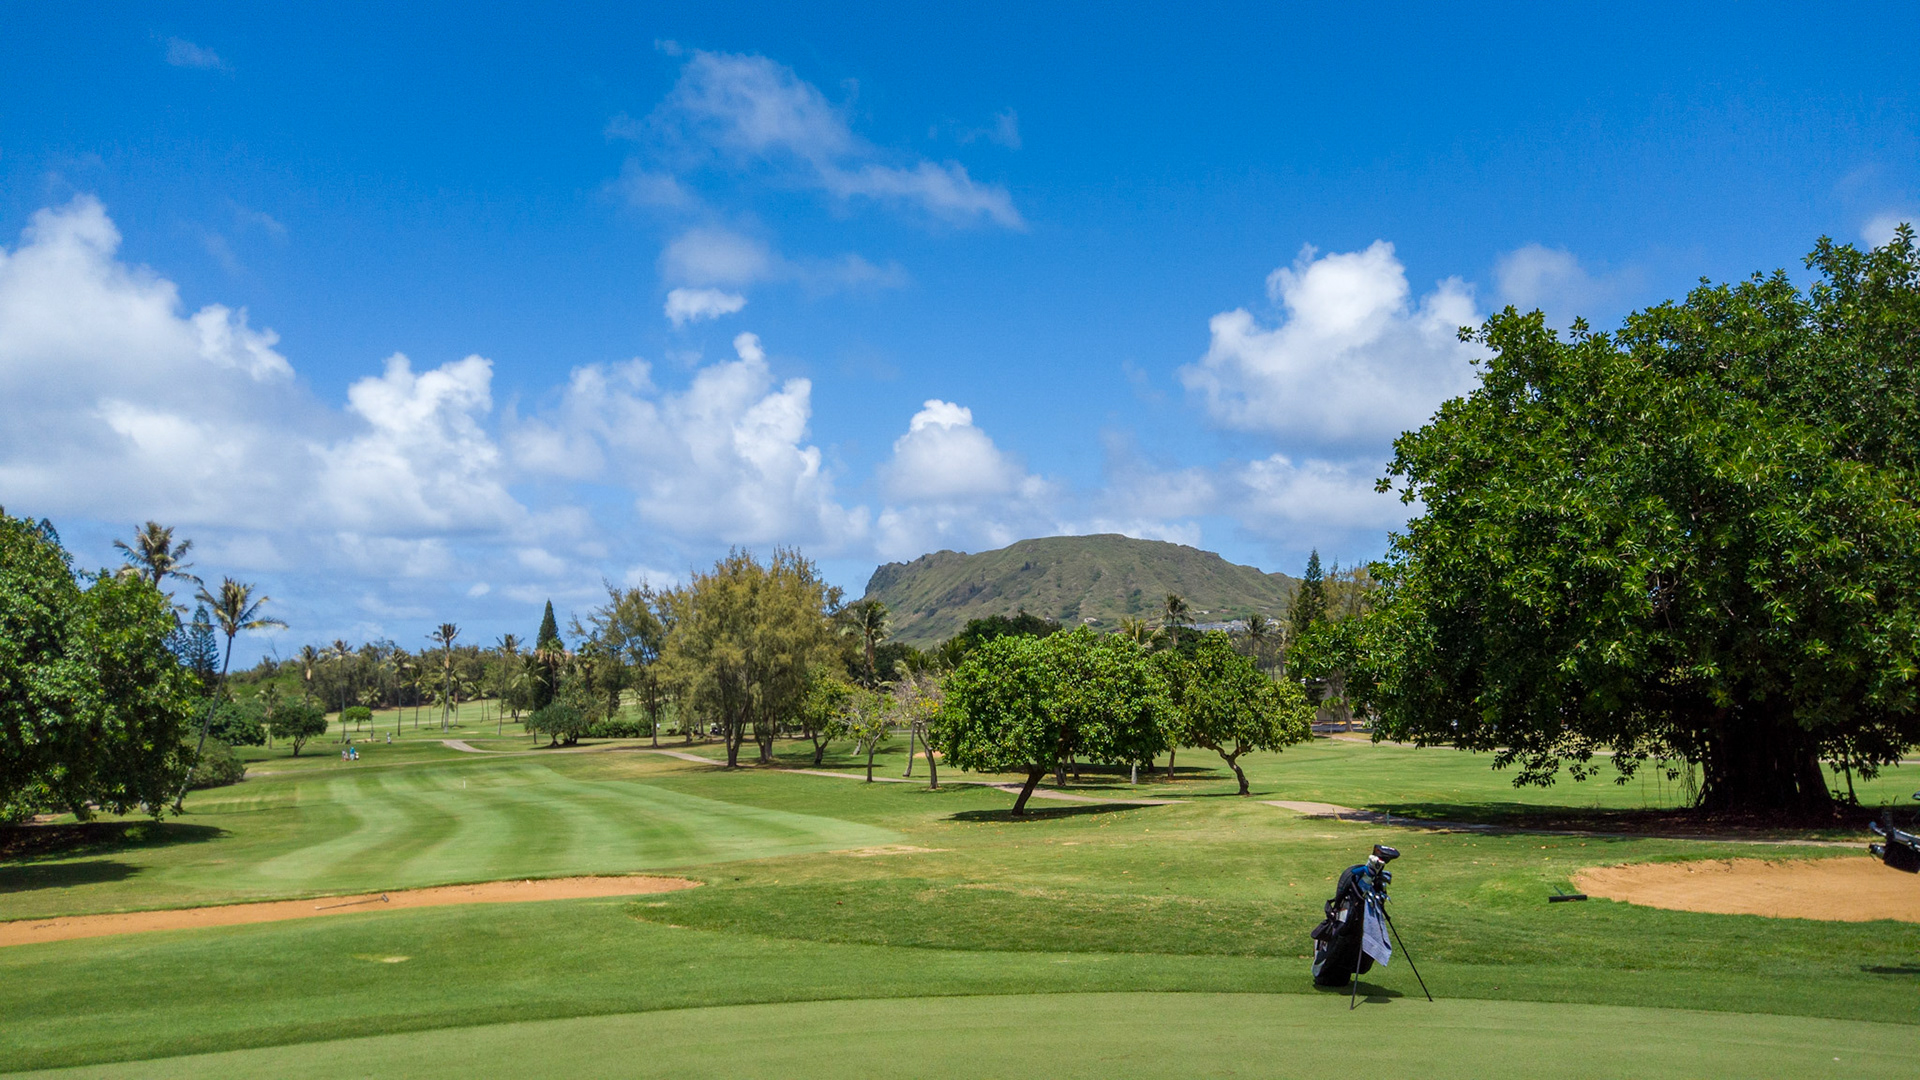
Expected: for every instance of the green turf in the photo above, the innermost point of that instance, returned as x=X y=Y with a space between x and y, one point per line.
x=1101 y=1037
x=1214 y=894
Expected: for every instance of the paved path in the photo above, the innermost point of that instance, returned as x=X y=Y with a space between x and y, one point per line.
x=1374 y=817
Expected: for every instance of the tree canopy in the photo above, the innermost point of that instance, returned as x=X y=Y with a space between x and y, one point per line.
x=94 y=707
x=1030 y=703
x=1694 y=539
x=1221 y=701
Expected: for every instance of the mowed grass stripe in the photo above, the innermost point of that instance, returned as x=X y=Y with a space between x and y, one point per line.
x=1098 y=1037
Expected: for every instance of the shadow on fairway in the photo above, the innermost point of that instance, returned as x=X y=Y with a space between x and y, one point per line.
x=30 y=842
x=1369 y=994
x=1629 y=824
x=1891 y=969
x=1045 y=813
x=59 y=875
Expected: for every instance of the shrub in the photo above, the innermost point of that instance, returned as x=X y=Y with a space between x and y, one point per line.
x=617 y=728
x=218 y=767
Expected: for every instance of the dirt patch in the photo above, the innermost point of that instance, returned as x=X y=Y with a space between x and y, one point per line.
x=33 y=931
x=889 y=849
x=1839 y=890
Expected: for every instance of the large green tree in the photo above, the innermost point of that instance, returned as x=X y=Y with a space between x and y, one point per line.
x=1030 y=704
x=1697 y=538
x=94 y=707
x=1221 y=701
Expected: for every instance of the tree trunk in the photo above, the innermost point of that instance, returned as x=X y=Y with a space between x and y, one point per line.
x=913 y=733
x=819 y=751
x=1034 y=773
x=933 y=772
x=1762 y=761
x=1234 y=764
x=871 y=747
x=1170 y=755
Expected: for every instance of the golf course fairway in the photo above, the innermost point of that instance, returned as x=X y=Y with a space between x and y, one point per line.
x=1099 y=1037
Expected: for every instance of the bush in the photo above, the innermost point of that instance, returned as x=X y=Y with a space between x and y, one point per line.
x=238 y=725
x=617 y=728
x=561 y=723
x=218 y=767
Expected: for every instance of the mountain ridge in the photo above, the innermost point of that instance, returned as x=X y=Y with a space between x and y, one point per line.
x=1100 y=579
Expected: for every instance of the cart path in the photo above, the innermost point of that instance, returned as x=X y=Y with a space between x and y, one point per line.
x=68 y=927
x=1375 y=817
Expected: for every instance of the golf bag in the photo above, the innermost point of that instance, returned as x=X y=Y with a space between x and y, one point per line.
x=1336 y=941
x=1901 y=850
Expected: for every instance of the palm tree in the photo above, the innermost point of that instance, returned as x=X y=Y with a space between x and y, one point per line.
x=154 y=557
x=867 y=620
x=1262 y=634
x=1141 y=632
x=509 y=647
x=339 y=653
x=309 y=659
x=1175 y=615
x=235 y=609
x=444 y=637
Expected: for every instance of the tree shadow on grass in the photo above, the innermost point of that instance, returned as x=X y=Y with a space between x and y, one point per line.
x=1043 y=813
x=60 y=875
x=1891 y=969
x=27 y=843
x=1526 y=817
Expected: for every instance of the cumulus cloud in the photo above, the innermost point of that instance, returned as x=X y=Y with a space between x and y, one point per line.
x=744 y=109
x=725 y=459
x=1353 y=360
x=694 y=305
x=947 y=483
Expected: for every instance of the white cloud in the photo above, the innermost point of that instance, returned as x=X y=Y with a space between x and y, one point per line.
x=1353 y=361
x=184 y=53
x=948 y=484
x=1005 y=131
x=746 y=109
x=693 y=305
x=724 y=460
x=713 y=256
x=1879 y=229
x=1552 y=280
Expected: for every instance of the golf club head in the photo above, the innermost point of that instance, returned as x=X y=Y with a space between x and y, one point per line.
x=1384 y=853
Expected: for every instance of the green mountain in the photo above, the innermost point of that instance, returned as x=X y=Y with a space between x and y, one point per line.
x=1098 y=579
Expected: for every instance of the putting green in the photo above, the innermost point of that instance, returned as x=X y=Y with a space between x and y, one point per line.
x=1100 y=1037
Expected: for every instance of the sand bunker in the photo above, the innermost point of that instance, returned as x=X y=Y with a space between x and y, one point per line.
x=62 y=928
x=1839 y=889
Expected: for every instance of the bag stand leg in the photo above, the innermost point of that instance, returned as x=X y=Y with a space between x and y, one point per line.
x=1359 y=957
x=1403 y=949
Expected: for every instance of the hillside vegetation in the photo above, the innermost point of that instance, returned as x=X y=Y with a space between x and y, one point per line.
x=1072 y=579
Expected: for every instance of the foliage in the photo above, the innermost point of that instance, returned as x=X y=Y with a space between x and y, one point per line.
x=548 y=651
x=869 y=722
x=1031 y=704
x=743 y=640
x=1221 y=701
x=297 y=721
x=218 y=766
x=825 y=710
x=978 y=632
x=560 y=722
x=617 y=727
x=1696 y=538
x=238 y=724
x=1309 y=600
x=356 y=715
x=93 y=704
x=198 y=648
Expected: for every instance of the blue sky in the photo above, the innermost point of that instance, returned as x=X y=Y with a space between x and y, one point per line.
x=669 y=278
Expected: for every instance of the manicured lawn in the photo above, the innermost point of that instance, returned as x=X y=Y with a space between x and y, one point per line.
x=1100 y=1037
x=1213 y=895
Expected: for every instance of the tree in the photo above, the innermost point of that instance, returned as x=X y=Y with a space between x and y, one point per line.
x=355 y=715
x=869 y=722
x=1309 y=598
x=743 y=639
x=297 y=721
x=1174 y=615
x=866 y=622
x=444 y=636
x=562 y=723
x=1032 y=703
x=342 y=656
x=825 y=710
x=198 y=649
x=154 y=557
x=550 y=652
x=309 y=659
x=1262 y=641
x=919 y=697
x=1223 y=702
x=237 y=611
x=1694 y=539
